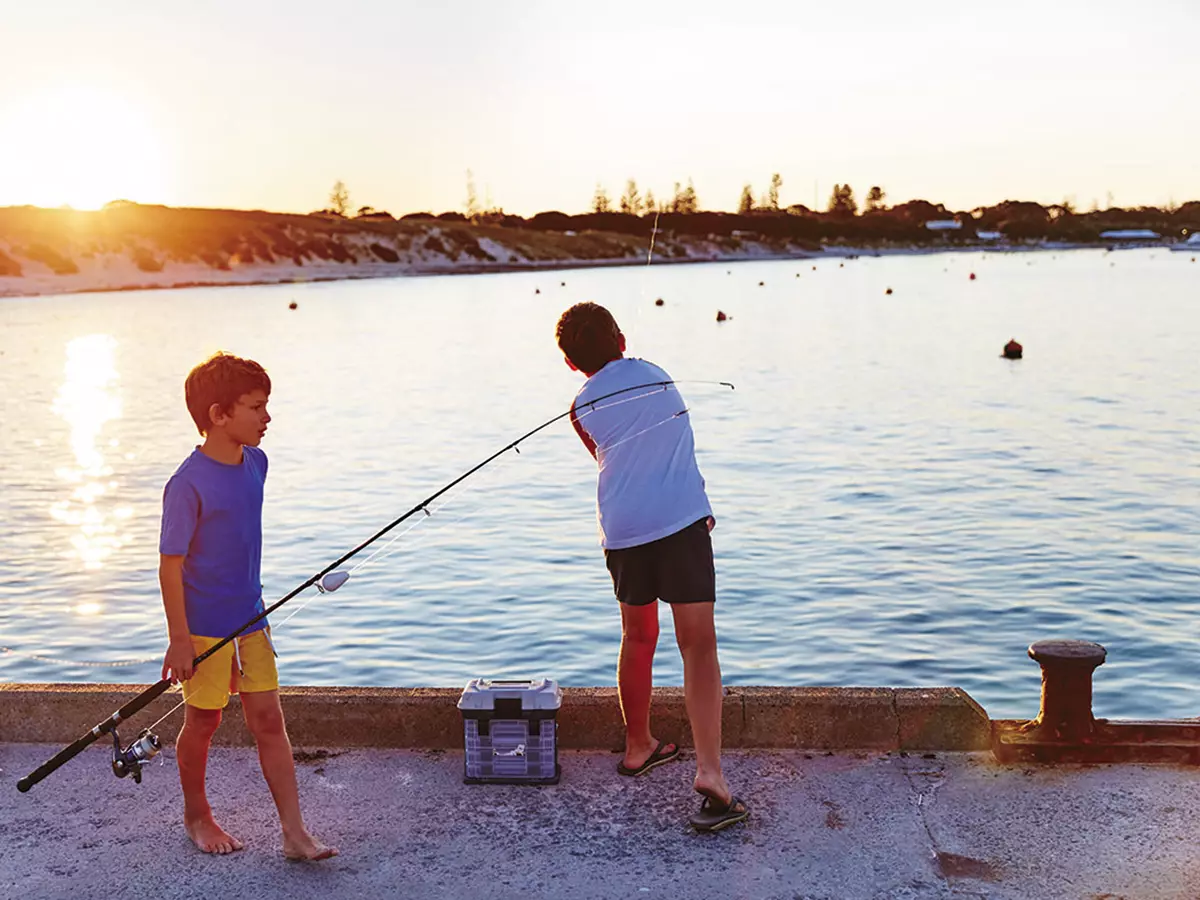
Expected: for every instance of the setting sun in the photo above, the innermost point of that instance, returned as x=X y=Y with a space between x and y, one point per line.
x=82 y=146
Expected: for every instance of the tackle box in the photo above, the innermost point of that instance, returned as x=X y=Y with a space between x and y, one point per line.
x=510 y=729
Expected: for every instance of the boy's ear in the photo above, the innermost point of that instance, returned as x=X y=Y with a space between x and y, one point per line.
x=621 y=340
x=570 y=365
x=216 y=415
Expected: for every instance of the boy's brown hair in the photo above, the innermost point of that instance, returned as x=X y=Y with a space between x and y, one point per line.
x=588 y=336
x=221 y=379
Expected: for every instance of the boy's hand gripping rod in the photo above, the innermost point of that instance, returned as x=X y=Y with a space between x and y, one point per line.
x=152 y=693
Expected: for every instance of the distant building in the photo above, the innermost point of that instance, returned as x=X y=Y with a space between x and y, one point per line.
x=1130 y=234
x=990 y=235
x=943 y=225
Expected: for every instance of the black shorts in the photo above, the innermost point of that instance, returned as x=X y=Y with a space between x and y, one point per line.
x=675 y=569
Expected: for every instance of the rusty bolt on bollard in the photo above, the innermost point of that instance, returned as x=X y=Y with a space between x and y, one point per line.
x=1067 y=667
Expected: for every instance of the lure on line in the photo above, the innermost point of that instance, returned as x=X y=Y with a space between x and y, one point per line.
x=129 y=761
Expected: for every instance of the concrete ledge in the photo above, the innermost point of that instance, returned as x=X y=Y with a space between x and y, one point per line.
x=941 y=718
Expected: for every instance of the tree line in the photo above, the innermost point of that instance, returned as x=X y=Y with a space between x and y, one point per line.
x=842 y=219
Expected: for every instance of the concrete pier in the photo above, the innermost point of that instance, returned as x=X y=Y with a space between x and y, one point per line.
x=865 y=793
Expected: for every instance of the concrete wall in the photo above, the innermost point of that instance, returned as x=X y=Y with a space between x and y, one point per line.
x=818 y=718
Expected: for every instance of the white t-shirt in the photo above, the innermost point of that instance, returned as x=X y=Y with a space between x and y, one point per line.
x=649 y=485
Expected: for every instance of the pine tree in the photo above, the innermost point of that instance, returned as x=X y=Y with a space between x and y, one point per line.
x=746 y=204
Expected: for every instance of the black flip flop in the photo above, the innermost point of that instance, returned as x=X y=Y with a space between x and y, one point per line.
x=657 y=758
x=713 y=816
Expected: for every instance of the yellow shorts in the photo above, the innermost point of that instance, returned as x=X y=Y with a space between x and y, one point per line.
x=249 y=669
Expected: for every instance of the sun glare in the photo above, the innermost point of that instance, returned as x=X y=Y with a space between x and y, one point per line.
x=80 y=146
x=87 y=400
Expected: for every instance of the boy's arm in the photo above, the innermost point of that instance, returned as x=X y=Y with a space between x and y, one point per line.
x=178 y=661
x=583 y=435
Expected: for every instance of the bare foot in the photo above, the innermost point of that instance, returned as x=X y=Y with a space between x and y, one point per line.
x=636 y=757
x=305 y=848
x=715 y=789
x=211 y=837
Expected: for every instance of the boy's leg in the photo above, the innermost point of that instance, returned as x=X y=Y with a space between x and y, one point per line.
x=696 y=635
x=639 y=637
x=264 y=717
x=191 y=755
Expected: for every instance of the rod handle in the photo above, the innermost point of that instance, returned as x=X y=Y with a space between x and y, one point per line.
x=73 y=749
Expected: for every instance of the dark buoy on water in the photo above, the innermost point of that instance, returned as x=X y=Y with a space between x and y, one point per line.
x=562 y=284
x=761 y=283
x=292 y=305
x=658 y=302
x=537 y=290
x=972 y=276
x=721 y=317
x=888 y=291
x=1013 y=350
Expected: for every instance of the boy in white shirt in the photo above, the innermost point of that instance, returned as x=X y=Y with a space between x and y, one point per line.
x=655 y=521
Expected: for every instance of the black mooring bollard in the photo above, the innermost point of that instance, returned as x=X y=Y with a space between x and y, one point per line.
x=1067 y=666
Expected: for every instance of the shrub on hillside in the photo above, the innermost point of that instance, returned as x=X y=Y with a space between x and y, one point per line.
x=260 y=248
x=214 y=260
x=317 y=248
x=9 y=266
x=387 y=254
x=58 y=263
x=145 y=260
x=434 y=245
x=340 y=253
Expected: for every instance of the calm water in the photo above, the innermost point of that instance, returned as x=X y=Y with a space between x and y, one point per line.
x=897 y=505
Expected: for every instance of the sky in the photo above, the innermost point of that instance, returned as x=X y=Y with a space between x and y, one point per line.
x=264 y=105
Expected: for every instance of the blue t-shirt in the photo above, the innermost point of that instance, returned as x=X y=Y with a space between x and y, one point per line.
x=212 y=517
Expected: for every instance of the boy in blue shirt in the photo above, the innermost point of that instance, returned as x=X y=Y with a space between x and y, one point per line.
x=209 y=571
x=655 y=521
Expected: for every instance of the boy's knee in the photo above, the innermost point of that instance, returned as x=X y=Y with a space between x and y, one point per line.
x=201 y=722
x=697 y=642
x=641 y=637
x=266 y=723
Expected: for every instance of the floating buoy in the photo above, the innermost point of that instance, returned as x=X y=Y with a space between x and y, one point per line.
x=1013 y=350
x=658 y=302
x=841 y=265
x=537 y=290
x=721 y=317
x=972 y=276
x=798 y=274
x=761 y=283
x=292 y=305
x=562 y=284
x=814 y=268
x=888 y=291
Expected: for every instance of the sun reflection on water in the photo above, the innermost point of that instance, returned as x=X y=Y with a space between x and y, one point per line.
x=87 y=400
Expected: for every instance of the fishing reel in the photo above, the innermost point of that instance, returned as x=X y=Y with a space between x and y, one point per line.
x=130 y=760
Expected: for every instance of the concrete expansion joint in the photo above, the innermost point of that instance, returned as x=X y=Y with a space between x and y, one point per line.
x=923 y=800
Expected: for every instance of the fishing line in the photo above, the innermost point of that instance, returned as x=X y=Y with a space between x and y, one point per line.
x=128 y=761
x=376 y=556
x=625 y=440
x=389 y=548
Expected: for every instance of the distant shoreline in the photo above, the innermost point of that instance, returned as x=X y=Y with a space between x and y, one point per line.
x=132 y=248
x=269 y=275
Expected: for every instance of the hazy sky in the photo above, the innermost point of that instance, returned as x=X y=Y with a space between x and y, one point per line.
x=261 y=104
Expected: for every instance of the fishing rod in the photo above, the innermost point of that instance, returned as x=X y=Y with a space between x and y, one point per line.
x=129 y=760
